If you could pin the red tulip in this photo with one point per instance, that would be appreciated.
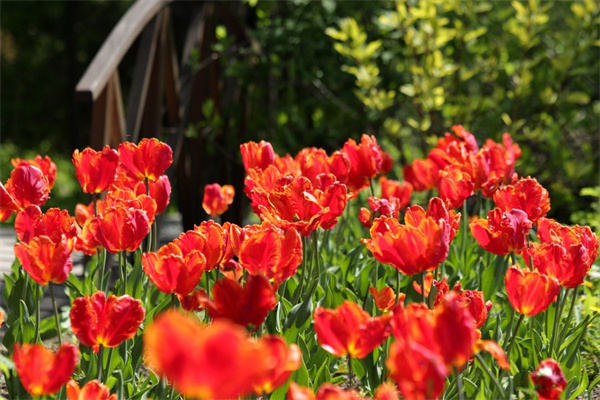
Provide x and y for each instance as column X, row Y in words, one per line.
column 45, row 164
column 27, row 185
column 149, row 159
column 422, row 174
column 41, row 371
column 268, row 251
column 212, row 361
column 96, row 170
column 527, row 195
column 549, row 380
column 500, row 160
column 365, row 162
column 327, row 391
column 120, row 229
column 129, row 199
column 476, row 304
column 348, row 329
column 282, row 360
column 217, row 199
column 436, row 209
column 387, row 162
column 257, row 155
column 172, row 270
column 314, row 162
column 93, row 390
column 455, row 186
column 385, row 298
column 209, row 238
column 54, row 223
column 391, row 189
column 98, row 321
column 503, row 232
column 46, row 260
column 529, row 291
column 418, row 246
column 246, row 306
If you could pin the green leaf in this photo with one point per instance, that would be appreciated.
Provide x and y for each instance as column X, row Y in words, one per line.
column 578, row 98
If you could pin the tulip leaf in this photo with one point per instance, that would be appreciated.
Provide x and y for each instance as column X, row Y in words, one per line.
column 322, row 375
column 306, row 307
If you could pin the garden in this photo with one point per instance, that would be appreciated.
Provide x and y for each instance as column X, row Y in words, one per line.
column 443, row 247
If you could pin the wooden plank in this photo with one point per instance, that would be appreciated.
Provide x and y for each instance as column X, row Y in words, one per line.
column 141, row 78
column 98, row 121
column 113, row 50
column 118, row 117
column 172, row 87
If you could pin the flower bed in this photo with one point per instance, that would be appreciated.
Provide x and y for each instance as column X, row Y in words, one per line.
column 336, row 294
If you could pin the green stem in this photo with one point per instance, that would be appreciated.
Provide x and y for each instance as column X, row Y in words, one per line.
column 304, row 267
column 100, row 354
column 422, row 278
column 123, row 265
column 56, row 319
column 465, row 226
column 371, row 185
column 570, row 315
column 350, row 372
column 560, row 304
column 514, row 335
column 315, row 241
column 397, row 286
column 37, row 314
column 492, row 376
column 104, row 285
column 459, row 384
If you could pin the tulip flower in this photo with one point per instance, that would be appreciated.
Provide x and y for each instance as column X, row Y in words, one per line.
column 314, row 162
column 129, row 199
column 391, row 189
column 385, row 298
column 120, row 229
column 327, row 391
column 365, row 162
column 217, row 199
column 149, row 159
column 41, row 371
column 527, row 195
column 455, row 186
column 160, row 191
column 246, row 306
column 503, row 232
column 387, row 162
column 422, row 174
column 45, row 164
column 93, row 390
column 27, row 185
column 529, row 291
column 194, row 352
column 500, row 160
column 96, row 170
column 209, row 238
column 257, row 155
column 98, row 321
column 283, row 360
column 172, row 270
column 419, row 245
column 54, row 223
column 476, row 305
column 348, row 329
column 549, row 380
column 46, row 260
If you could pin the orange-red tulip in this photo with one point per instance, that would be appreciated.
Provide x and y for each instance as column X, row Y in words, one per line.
column 349, row 329
column 86, row 242
column 387, row 162
column 41, row 371
column 54, row 223
column 217, row 199
column 46, row 260
column 246, row 306
column 120, row 229
column 527, row 195
column 45, row 164
column 500, row 160
column 27, row 185
column 98, row 321
column 93, row 390
column 529, row 291
column 281, row 361
column 436, row 209
column 365, row 162
column 129, row 199
column 314, row 162
column 419, row 245
column 476, row 304
column 257, row 155
column 502, row 232
column 96, row 170
column 391, row 189
column 385, row 298
column 422, row 174
column 172, row 270
column 327, row 391
column 455, row 186
column 209, row 238
column 149, row 159
column 212, row 361
column 549, row 380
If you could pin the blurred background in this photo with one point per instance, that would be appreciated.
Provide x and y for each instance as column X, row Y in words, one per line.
column 315, row 73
